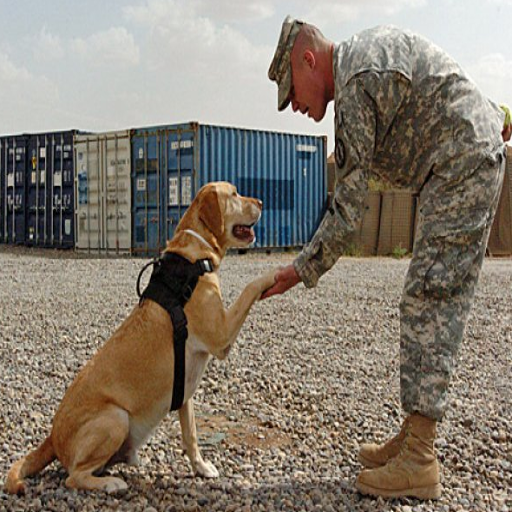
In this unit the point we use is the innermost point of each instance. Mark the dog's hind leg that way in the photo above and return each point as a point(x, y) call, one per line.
point(95, 444)
point(189, 433)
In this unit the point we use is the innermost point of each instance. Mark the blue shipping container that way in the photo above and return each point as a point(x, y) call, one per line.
point(13, 169)
point(37, 197)
point(170, 163)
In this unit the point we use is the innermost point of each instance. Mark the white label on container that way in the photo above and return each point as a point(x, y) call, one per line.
point(42, 152)
point(186, 190)
point(57, 179)
point(42, 176)
point(10, 180)
point(141, 153)
point(33, 177)
point(305, 148)
point(173, 191)
point(141, 184)
point(67, 226)
point(184, 144)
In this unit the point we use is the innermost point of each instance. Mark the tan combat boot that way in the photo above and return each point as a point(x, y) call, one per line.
point(373, 455)
point(413, 472)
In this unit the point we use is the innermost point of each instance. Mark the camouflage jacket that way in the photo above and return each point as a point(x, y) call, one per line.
point(402, 108)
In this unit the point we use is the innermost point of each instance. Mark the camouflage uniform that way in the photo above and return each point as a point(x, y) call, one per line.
point(407, 112)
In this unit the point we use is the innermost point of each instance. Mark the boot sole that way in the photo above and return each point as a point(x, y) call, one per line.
point(367, 463)
point(431, 492)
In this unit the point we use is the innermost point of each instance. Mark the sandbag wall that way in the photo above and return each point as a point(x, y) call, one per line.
point(500, 239)
point(390, 218)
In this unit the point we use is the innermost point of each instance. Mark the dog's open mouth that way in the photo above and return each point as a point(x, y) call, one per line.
point(245, 233)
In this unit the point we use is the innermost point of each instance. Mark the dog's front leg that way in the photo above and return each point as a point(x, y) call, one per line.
point(236, 315)
point(189, 433)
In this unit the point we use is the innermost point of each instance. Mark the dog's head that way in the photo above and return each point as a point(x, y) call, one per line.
point(222, 216)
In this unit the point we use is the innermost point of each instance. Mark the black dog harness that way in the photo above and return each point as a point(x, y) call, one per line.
point(171, 286)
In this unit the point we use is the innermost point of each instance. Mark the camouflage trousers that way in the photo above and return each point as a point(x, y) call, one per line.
point(456, 210)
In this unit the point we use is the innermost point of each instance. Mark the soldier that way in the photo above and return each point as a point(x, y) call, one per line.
point(407, 112)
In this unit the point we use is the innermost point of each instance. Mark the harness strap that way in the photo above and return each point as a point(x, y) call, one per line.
point(172, 283)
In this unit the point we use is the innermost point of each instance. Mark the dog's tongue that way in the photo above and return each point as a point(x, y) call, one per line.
point(242, 231)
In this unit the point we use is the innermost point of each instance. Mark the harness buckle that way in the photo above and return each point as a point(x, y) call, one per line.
point(206, 265)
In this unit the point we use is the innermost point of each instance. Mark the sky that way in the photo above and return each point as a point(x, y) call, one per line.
point(101, 65)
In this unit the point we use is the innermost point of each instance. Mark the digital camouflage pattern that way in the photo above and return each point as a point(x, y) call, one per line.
point(280, 70)
point(407, 112)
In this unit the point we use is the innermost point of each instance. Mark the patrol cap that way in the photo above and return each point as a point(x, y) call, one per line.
point(280, 70)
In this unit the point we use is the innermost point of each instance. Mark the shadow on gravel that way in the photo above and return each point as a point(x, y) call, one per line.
point(185, 492)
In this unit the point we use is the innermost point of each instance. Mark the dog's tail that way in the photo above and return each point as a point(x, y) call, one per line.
point(34, 462)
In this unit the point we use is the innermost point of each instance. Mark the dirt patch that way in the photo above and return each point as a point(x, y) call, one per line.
point(215, 429)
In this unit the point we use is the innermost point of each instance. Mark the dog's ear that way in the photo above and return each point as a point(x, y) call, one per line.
point(210, 213)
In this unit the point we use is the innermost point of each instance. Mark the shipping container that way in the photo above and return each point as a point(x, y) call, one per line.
point(50, 190)
point(170, 163)
point(13, 169)
point(36, 180)
point(103, 192)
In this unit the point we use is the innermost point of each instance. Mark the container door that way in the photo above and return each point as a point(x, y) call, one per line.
point(16, 175)
point(3, 192)
point(146, 193)
point(37, 191)
point(89, 201)
point(61, 199)
point(117, 193)
point(179, 187)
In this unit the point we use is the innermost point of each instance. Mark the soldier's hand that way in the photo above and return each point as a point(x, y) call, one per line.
point(285, 278)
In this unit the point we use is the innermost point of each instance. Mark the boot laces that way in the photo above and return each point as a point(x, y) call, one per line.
point(404, 445)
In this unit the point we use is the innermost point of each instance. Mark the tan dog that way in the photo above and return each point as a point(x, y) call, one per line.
point(125, 390)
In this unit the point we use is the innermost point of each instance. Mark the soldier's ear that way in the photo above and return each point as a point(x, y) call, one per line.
point(309, 59)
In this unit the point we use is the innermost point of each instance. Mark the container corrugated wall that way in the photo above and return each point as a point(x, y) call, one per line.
point(170, 163)
point(37, 189)
point(50, 190)
point(103, 192)
point(13, 169)
point(286, 171)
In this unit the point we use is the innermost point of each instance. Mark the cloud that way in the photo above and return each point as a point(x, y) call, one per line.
point(24, 96)
point(115, 46)
point(229, 11)
point(17, 84)
point(48, 46)
point(505, 3)
point(182, 41)
point(493, 74)
point(326, 12)
point(207, 70)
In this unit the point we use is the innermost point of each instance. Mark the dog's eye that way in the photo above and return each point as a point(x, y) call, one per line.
point(235, 193)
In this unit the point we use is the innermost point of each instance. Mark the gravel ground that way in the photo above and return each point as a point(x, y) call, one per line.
point(314, 374)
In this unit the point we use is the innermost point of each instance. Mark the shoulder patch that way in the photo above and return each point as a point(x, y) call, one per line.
point(339, 153)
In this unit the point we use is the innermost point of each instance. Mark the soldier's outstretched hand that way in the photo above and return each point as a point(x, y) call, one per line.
point(285, 278)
